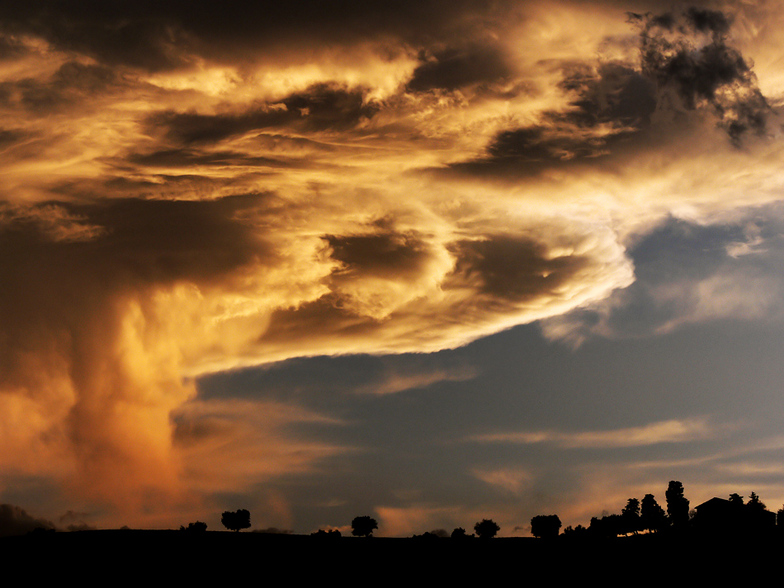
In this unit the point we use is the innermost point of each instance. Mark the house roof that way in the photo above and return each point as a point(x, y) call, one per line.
point(714, 502)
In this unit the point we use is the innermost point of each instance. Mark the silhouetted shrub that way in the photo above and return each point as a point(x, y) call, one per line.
point(459, 533)
point(428, 535)
point(41, 531)
point(274, 531)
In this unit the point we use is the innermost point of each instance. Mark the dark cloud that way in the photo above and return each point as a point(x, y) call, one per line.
point(172, 240)
point(534, 148)
point(193, 157)
point(613, 93)
point(75, 521)
point(191, 127)
point(705, 20)
point(689, 54)
point(321, 107)
point(326, 107)
point(612, 103)
point(682, 55)
point(159, 36)
point(139, 177)
point(16, 521)
point(387, 255)
point(9, 137)
point(69, 85)
point(490, 277)
point(455, 68)
point(11, 47)
point(62, 263)
point(513, 268)
point(115, 34)
point(314, 323)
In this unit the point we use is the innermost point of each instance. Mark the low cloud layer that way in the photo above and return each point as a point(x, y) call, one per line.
point(189, 190)
point(16, 521)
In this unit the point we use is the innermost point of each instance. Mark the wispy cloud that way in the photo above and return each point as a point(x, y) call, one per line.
point(671, 431)
point(513, 480)
point(400, 382)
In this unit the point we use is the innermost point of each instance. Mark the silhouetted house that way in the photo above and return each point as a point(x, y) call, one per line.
point(717, 514)
point(720, 515)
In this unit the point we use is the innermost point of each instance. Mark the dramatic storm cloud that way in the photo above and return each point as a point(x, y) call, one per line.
point(191, 190)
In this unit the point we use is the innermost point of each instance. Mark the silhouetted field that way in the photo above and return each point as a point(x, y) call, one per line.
point(176, 556)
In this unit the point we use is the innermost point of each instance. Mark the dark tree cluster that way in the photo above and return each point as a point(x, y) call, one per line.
point(644, 515)
point(329, 534)
point(435, 534)
point(484, 529)
point(197, 527)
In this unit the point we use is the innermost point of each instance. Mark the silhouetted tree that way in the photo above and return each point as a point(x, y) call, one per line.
point(754, 503)
point(486, 529)
point(630, 517)
point(197, 527)
point(545, 526)
point(459, 533)
point(234, 521)
point(677, 505)
point(736, 499)
point(363, 526)
point(652, 516)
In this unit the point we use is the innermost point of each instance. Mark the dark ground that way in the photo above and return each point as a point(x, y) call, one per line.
point(92, 557)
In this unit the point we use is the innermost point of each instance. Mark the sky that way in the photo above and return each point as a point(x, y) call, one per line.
point(427, 261)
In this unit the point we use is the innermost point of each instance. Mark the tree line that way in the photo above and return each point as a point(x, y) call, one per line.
point(637, 516)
